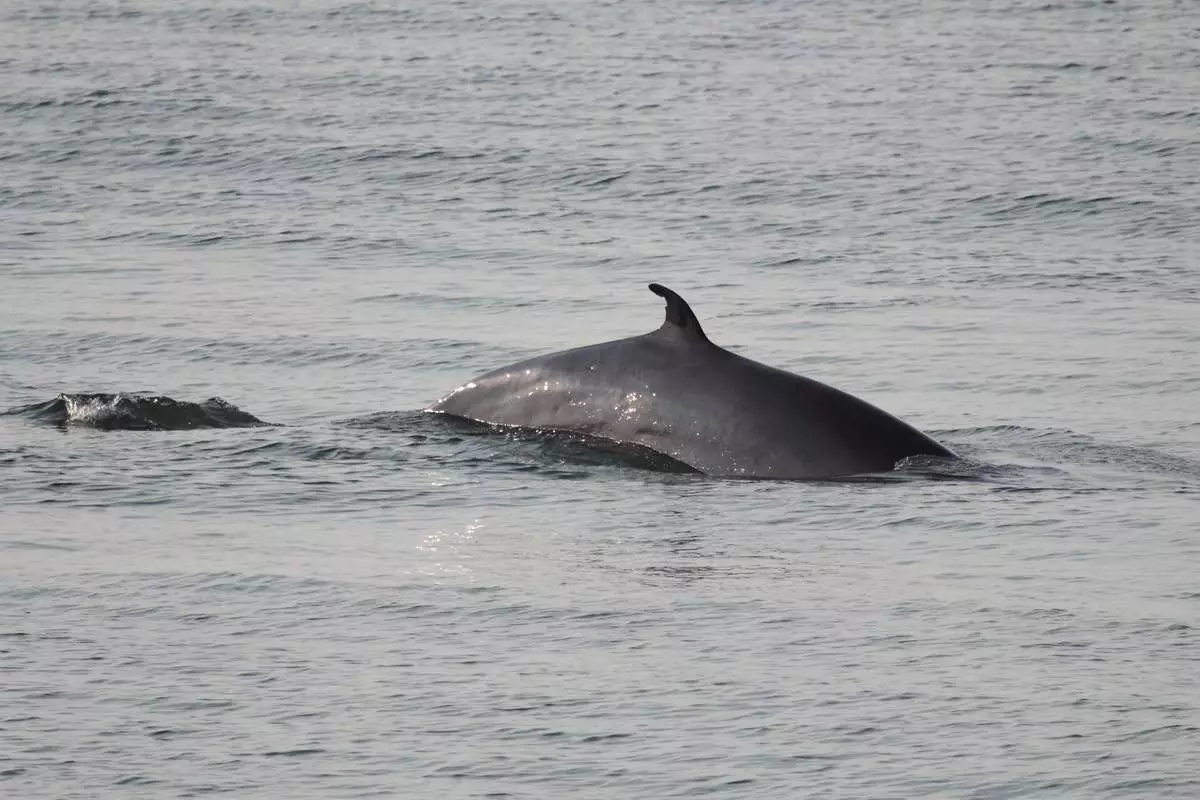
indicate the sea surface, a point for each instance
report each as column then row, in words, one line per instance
column 983, row 217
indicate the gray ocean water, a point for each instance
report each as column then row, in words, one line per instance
column 982, row 217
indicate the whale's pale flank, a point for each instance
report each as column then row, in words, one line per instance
column 677, row 393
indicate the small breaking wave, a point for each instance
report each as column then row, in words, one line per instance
column 136, row 412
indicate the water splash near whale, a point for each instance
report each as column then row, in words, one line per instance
column 136, row 411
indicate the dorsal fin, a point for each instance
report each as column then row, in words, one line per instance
column 679, row 314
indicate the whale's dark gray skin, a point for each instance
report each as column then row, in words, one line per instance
column 677, row 393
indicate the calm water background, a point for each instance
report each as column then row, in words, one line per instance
column 980, row 216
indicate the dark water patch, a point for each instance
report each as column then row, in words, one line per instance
column 1149, row 145
column 96, row 99
column 136, row 411
column 472, row 303
column 309, row 446
column 390, row 421
column 294, row 753
column 563, row 447
column 836, row 306
column 1046, row 205
column 1173, row 114
column 799, row 261
column 223, row 582
column 1046, row 66
column 25, row 545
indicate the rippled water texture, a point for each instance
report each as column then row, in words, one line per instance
column 979, row 216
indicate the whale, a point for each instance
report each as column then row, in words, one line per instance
column 677, row 393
